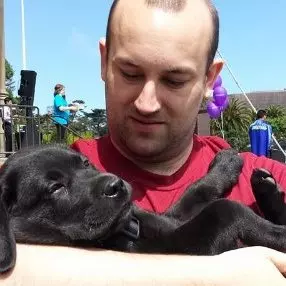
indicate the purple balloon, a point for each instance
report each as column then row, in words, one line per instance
column 219, row 95
column 225, row 105
column 218, row 82
column 213, row 110
column 220, row 89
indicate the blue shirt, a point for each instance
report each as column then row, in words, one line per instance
column 260, row 133
column 61, row 117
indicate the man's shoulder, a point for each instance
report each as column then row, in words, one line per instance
column 87, row 145
column 259, row 123
column 214, row 143
column 94, row 149
column 278, row 169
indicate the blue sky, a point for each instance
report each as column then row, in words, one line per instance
column 62, row 45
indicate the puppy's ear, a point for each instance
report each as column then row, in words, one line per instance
column 7, row 240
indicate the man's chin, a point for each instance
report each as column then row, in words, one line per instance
column 145, row 148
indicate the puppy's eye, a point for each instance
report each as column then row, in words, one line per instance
column 57, row 188
column 86, row 163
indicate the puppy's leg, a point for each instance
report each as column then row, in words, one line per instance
column 222, row 176
column 219, row 227
column 268, row 196
column 151, row 227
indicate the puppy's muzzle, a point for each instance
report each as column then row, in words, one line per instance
column 112, row 186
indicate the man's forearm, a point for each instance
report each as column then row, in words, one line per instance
column 46, row 266
column 39, row 265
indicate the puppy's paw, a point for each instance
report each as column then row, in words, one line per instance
column 227, row 163
column 262, row 181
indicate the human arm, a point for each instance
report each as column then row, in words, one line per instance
column 41, row 265
column 70, row 108
column 61, row 104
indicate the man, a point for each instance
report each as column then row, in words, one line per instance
column 260, row 135
column 157, row 63
column 7, row 125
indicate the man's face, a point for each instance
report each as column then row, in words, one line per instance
column 156, row 77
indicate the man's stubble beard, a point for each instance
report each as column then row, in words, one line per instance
column 162, row 152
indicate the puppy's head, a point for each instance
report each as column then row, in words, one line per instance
column 51, row 195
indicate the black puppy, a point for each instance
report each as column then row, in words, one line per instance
column 202, row 223
column 51, row 195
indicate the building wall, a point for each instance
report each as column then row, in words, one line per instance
column 203, row 123
column 263, row 99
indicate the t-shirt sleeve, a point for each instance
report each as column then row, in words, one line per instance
column 87, row 147
column 58, row 101
column 78, row 145
column 90, row 149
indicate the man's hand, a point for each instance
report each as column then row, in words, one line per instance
column 252, row 266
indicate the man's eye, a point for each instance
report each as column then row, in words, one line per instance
column 174, row 84
column 131, row 76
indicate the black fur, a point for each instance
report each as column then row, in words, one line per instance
column 268, row 196
column 52, row 195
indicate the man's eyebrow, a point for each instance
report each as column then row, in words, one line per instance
column 171, row 69
column 180, row 70
column 125, row 62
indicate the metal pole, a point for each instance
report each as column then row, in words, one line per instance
column 222, row 131
column 23, row 35
column 3, row 93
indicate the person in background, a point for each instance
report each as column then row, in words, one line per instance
column 61, row 112
column 7, row 125
column 260, row 135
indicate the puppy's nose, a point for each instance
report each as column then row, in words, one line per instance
column 113, row 188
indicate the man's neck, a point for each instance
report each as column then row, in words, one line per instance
column 168, row 167
column 165, row 168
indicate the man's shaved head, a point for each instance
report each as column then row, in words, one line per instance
column 157, row 63
column 167, row 5
column 172, row 6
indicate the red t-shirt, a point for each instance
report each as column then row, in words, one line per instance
column 157, row 192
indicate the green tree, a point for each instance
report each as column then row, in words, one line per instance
column 276, row 116
column 274, row 111
column 98, row 121
column 9, row 81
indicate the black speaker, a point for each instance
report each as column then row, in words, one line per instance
column 27, row 87
column 31, row 134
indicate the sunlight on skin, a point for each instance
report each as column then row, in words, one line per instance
column 159, row 17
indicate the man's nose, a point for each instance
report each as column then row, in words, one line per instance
column 147, row 102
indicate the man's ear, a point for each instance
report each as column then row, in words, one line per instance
column 7, row 239
column 103, row 57
column 213, row 72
